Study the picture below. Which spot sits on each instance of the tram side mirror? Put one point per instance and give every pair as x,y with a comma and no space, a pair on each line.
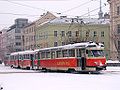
86,51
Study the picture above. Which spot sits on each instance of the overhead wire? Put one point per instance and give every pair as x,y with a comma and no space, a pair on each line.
76,7
52,11
46,10
25,5
20,14
29,6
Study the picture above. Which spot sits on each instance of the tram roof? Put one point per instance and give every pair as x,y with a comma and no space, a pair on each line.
23,52
69,46
76,45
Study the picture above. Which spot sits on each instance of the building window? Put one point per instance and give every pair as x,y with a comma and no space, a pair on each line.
63,43
118,47
18,50
87,34
76,33
102,34
102,42
26,39
95,33
55,44
18,43
118,28
18,37
17,31
118,10
62,33
69,33
55,33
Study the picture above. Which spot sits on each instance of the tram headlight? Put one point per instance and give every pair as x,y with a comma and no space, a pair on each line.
101,64
96,63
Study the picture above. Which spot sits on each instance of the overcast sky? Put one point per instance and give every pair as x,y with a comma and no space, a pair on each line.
32,9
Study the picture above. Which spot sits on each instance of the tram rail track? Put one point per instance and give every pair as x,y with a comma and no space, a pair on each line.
16,72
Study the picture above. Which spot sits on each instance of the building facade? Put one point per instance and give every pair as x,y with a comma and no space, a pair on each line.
115,29
29,36
45,18
3,47
62,31
14,35
0,46
29,31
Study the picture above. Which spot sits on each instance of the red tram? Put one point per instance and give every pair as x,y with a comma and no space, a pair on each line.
87,56
23,59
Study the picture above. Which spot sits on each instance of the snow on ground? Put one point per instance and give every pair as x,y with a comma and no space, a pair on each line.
59,81
9,69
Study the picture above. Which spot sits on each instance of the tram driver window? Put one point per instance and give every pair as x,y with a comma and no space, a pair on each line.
90,54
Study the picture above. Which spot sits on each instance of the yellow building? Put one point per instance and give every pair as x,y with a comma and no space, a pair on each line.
63,30
29,31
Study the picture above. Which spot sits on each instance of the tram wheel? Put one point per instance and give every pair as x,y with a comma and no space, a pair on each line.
71,70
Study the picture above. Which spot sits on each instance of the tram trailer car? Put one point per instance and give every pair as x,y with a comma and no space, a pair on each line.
23,59
88,56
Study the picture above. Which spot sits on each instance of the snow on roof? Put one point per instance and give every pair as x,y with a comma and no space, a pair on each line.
76,45
23,52
69,46
85,20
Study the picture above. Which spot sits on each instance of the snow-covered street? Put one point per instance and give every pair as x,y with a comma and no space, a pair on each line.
109,80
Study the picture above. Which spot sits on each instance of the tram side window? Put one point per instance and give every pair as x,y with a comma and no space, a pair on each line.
71,53
24,56
65,53
16,57
78,53
28,56
58,54
20,57
52,54
36,56
42,55
47,54
12,57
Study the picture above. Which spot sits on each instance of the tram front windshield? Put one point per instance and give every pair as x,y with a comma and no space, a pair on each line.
96,53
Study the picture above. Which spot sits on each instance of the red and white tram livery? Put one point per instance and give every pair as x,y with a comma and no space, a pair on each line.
86,56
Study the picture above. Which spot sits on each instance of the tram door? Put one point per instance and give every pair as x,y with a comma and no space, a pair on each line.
82,58
32,60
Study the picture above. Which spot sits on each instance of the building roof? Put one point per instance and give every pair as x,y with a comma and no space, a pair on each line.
80,20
